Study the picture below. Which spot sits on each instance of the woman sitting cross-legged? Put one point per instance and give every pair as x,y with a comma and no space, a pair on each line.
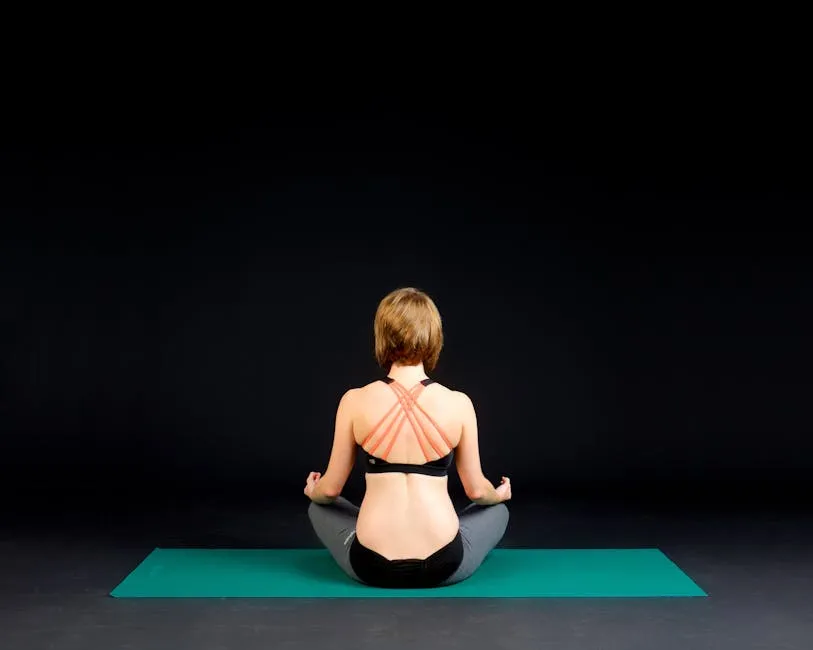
407,533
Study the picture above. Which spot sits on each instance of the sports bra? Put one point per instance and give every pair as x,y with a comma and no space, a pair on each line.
391,425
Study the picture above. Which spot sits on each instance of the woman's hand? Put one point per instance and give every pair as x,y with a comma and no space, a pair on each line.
504,490
311,483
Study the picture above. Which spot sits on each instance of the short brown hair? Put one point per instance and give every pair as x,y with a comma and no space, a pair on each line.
408,330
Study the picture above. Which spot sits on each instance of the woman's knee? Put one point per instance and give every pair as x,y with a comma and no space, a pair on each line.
502,516
498,514
315,511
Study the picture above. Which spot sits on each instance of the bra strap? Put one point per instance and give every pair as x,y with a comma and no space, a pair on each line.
425,382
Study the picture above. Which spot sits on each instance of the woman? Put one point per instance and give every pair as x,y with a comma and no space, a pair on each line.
407,533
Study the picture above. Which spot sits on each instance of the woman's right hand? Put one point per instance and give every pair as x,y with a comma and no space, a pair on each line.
311,482
504,490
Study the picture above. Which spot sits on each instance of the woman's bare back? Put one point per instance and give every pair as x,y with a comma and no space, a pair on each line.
407,515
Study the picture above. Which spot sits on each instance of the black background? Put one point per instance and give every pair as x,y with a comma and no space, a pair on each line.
189,279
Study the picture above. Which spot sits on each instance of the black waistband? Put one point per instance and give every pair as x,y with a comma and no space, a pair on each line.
377,571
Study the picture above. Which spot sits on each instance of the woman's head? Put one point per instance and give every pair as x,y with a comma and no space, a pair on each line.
408,330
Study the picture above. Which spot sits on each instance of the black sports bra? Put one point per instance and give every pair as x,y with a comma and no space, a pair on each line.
396,417
439,467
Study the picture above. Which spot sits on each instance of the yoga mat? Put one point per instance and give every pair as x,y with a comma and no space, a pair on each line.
306,573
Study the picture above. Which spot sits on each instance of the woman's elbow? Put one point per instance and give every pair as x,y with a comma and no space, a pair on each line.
330,491
475,491
476,488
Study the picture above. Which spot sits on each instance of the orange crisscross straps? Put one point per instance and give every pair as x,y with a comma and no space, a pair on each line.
406,410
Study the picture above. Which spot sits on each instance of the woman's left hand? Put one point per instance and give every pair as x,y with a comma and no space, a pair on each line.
311,483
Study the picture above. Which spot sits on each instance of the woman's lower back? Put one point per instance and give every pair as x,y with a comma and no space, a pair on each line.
406,516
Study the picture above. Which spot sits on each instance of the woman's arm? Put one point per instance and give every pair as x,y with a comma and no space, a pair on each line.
342,456
478,488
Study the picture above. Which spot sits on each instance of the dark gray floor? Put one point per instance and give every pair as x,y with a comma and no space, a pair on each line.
57,569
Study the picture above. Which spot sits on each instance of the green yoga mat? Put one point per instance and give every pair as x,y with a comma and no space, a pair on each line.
305,573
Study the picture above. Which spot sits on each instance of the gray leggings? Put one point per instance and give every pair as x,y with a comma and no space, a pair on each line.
481,528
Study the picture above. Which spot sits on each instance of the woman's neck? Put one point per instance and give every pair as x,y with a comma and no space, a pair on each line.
407,374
